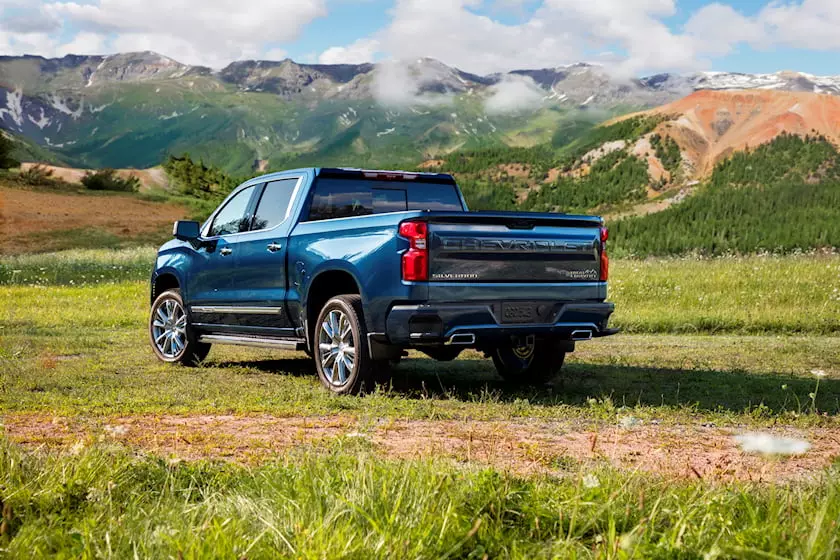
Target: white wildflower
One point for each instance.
(818, 373)
(769, 444)
(116, 431)
(629, 421)
(356, 435)
(77, 448)
(591, 481)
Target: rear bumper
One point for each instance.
(452, 323)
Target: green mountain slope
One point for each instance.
(782, 196)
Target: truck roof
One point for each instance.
(367, 173)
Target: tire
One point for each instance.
(340, 329)
(170, 335)
(533, 363)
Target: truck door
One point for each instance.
(260, 278)
(210, 280)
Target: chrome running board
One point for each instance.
(259, 342)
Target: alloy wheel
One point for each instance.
(169, 328)
(336, 348)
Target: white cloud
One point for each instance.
(514, 94)
(210, 32)
(810, 24)
(361, 51)
(274, 54)
(14, 43)
(719, 27)
(85, 42)
(559, 32)
(398, 83)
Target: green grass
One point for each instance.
(79, 353)
(345, 502)
(84, 349)
(749, 295)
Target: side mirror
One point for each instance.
(186, 230)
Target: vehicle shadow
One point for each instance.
(698, 389)
(295, 367)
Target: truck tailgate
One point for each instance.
(505, 248)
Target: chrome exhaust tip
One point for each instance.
(461, 339)
(582, 335)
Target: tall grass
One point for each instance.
(78, 266)
(344, 502)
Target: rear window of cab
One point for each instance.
(340, 197)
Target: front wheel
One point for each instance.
(172, 339)
(341, 353)
(528, 360)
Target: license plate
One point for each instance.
(518, 313)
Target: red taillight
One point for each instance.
(605, 260)
(415, 261)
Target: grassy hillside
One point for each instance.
(25, 150)
(561, 176)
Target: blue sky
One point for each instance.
(630, 36)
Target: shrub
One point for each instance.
(37, 176)
(108, 180)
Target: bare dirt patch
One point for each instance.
(150, 179)
(27, 217)
(686, 451)
(431, 164)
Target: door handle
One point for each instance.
(274, 247)
(225, 251)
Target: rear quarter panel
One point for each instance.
(366, 247)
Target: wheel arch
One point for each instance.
(325, 285)
(164, 280)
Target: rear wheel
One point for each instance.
(528, 360)
(341, 353)
(172, 338)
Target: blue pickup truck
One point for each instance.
(354, 267)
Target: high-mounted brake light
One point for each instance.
(605, 260)
(415, 261)
(389, 176)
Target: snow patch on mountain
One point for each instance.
(385, 132)
(14, 107)
(93, 110)
(61, 106)
(173, 115)
(43, 122)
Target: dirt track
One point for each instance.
(28, 213)
(522, 447)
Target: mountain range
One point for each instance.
(131, 109)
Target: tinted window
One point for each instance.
(389, 200)
(341, 198)
(232, 218)
(274, 203)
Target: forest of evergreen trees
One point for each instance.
(779, 197)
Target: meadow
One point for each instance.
(629, 453)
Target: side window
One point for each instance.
(232, 218)
(274, 203)
(340, 199)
